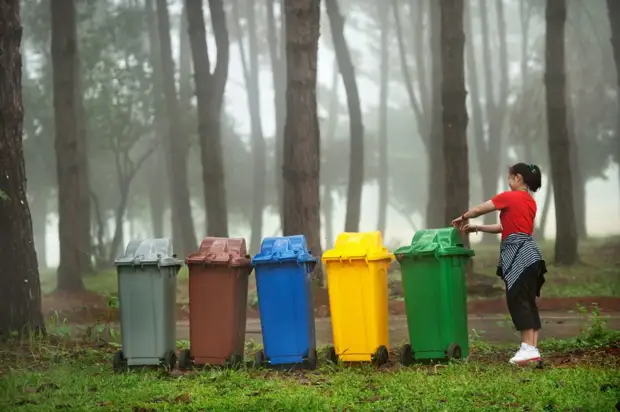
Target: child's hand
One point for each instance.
(470, 228)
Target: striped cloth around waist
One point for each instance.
(517, 252)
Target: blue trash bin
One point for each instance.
(284, 287)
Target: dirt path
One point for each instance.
(492, 328)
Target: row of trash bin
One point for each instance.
(433, 276)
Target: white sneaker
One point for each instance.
(525, 354)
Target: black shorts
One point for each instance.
(521, 298)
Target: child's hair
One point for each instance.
(530, 173)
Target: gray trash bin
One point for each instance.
(147, 283)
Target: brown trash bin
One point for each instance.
(218, 294)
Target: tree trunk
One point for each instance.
(453, 95)
(579, 184)
(180, 200)
(559, 142)
(490, 152)
(251, 71)
(383, 123)
(436, 196)
(67, 144)
(86, 264)
(119, 218)
(613, 11)
(20, 292)
(301, 168)
(356, 161)
(278, 71)
(39, 208)
(157, 203)
(160, 165)
(541, 229)
(330, 139)
(210, 96)
(185, 80)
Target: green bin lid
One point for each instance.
(434, 242)
(144, 252)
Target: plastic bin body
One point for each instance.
(218, 293)
(433, 275)
(147, 280)
(358, 295)
(283, 270)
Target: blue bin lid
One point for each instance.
(283, 249)
(149, 252)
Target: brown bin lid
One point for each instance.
(221, 251)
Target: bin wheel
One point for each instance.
(185, 360)
(259, 359)
(406, 355)
(312, 359)
(170, 360)
(381, 356)
(119, 363)
(235, 360)
(332, 356)
(454, 352)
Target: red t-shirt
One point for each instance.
(517, 212)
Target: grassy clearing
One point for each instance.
(81, 379)
(42, 374)
(457, 387)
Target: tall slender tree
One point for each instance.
(210, 95)
(68, 144)
(301, 168)
(436, 190)
(20, 291)
(613, 11)
(453, 95)
(251, 71)
(158, 175)
(176, 143)
(383, 123)
(278, 73)
(559, 142)
(356, 126)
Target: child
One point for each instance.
(521, 264)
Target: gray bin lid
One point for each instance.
(149, 252)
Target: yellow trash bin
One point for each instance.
(358, 297)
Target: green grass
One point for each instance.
(56, 372)
(85, 382)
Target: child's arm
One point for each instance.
(473, 228)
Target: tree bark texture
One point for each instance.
(20, 291)
(453, 95)
(330, 138)
(613, 11)
(356, 162)
(559, 142)
(185, 79)
(579, 183)
(68, 145)
(383, 122)
(210, 96)
(159, 166)
(278, 71)
(301, 167)
(436, 179)
(39, 210)
(180, 199)
(251, 71)
(489, 150)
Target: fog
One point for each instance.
(587, 31)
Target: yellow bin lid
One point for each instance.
(364, 246)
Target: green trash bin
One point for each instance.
(433, 274)
(147, 284)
